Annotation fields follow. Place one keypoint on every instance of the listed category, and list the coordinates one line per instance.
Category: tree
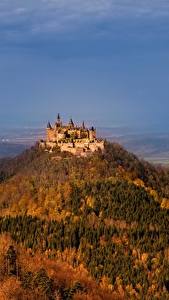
(11, 261)
(44, 283)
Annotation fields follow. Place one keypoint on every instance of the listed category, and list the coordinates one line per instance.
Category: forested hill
(97, 227)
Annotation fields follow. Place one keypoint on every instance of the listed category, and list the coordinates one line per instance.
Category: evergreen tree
(11, 261)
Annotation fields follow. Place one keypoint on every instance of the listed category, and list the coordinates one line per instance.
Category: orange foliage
(61, 272)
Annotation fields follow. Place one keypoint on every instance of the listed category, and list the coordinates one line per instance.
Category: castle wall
(66, 146)
(96, 146)
(60, 136)
(50, 135)
(92, 135)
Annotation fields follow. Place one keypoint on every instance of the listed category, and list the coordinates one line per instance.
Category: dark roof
(49, 125)
(71, 122)
(83, 125)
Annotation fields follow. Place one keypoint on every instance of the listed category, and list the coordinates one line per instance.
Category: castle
(78, 140)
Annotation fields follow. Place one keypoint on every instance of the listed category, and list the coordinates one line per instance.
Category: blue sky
(104, 61)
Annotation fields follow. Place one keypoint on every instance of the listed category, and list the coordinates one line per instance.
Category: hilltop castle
(78, 140)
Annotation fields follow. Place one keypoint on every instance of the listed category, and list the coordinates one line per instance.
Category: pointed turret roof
(83, 125)
(58, 117)
(71, 122)
(49, 125)
(58, 121)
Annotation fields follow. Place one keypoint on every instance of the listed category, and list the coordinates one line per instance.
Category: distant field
(14, 141)
(153, 147)
(11, 150)
(158, 160)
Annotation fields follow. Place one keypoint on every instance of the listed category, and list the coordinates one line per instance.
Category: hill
(83, 228)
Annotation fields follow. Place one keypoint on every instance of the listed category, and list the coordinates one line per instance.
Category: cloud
(26, 19)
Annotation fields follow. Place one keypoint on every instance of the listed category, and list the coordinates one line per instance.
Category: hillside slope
(103, 219)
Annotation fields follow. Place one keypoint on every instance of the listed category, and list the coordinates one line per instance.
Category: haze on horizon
(103, 61)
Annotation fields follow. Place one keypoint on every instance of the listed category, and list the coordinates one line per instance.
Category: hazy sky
(104, 61)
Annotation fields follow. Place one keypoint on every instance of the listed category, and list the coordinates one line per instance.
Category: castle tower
(49, 132)
(83, 125)
(58, 118)
(49, 126)
(92, 133)
(58, 121)
(71, 124)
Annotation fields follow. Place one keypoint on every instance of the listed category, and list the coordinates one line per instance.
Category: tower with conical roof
(49, 132)
(71, 123)
(92, 133)
(49, 126)
(58, 121)
(83, 125)
(58, 117)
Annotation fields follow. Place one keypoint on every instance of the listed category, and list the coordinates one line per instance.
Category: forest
(83, 228)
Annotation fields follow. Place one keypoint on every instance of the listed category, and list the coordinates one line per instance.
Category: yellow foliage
(144, 257)
(105, 283)
(153, 193)
(165, 203)
(10, 289)
(139, 182)
(130, 290)
(166, 253)
(67, 190)
(90, 201)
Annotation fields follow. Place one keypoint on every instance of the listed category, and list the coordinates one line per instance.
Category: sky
(103, 61)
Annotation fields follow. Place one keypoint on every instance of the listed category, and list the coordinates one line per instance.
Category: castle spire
(58, 117)
(58, 121)
(71, 124)
(83, 125)
(49, 125)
